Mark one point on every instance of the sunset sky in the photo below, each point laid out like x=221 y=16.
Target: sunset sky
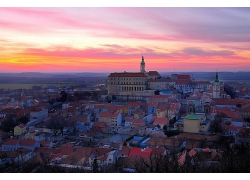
x=107 y=39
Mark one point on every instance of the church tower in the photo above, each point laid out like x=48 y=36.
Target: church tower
x=216 y=87
x=142 y=67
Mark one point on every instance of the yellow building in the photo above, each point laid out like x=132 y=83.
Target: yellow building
x=196 y=123
x=127 y=82
x=111 y=119
x=20 y=129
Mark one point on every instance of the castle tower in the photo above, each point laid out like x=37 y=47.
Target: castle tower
x=142 y=67
x=216 y=87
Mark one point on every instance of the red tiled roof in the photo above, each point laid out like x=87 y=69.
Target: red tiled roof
x=85 y=151
x=137 y=121
x=45 y=143
x=181 y=81
x=47 y=150
x=114 y=115
x=134 y=151
x=22 y=142
x=160 y=80
x=192 y=152
x=229 y=101
x=234 y=128
x=125 y=150
x=35 y=159
x=102 y=151
x=153 y=73
x=158 y=151
x=127 y=74
x=228 y=112
x=182 y=159
x=174 y=106
x=129 y=120
x=154 y=104
x=105 y=114
x=160 y=120
x=182 y=76
x=66 y=150
x=134 y=103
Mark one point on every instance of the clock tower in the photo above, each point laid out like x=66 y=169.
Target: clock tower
x=142 y=67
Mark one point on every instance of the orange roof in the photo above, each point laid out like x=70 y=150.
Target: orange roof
x=160 y=120
x=127 y=74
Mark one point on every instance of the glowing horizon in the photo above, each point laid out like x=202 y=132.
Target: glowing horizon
x=114 y=39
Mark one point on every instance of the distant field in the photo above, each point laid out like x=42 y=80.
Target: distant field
x=29 y=86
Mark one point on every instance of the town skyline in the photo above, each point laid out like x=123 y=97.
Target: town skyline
x=74 y=40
